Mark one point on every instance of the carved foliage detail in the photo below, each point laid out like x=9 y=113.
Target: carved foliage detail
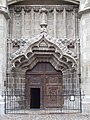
x=34 y=79
x=16 y=43
x=18 y=8
x=27 y=8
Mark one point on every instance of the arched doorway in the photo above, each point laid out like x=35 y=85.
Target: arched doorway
x=44 y=77
x=44 y=86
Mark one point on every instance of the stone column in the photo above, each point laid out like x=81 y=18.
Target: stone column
x=85 y=53
x=65 y=24
x=55 y=22
x=23 y=24
x=3 y=49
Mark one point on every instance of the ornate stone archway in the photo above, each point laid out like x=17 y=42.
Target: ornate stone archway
x=44 y=48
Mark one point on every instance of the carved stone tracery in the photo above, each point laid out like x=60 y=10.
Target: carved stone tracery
x=30 y=21
x=43 y=41
x=49 y=8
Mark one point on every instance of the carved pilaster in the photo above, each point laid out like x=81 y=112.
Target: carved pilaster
x=13 y=30
x=65 y=24
x=74 y=24
x=59 y=22
x=27 y=25
x=8 y=52
x=10 y=24
x=22 y=28
x=54 y=22
x=35 y=19
x=32 y=22
x=18 y=25
x=77 y=23
x=43 y=22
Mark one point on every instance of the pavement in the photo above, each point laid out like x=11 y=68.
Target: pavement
x=45 y=116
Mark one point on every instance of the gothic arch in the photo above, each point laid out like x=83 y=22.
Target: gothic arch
x=44 y=50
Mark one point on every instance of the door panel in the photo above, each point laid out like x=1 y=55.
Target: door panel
x=44 y=76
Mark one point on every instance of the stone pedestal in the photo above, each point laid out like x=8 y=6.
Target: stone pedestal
x=85 y=54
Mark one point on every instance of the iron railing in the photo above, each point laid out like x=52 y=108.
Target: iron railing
x=66 y=101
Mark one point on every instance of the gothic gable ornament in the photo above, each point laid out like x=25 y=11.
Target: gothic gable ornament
x=44 y=48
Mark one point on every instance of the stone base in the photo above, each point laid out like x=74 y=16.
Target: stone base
x=86 y=104
x=2 y=105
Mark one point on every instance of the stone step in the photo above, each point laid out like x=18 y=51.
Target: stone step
x=46 y=116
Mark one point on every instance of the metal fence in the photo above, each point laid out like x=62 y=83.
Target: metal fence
x=66 y=101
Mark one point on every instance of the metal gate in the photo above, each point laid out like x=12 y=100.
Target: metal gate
x=69 y=100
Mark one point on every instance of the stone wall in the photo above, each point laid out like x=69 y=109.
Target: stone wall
x=62 y=21
x=3 y=48
x=85 y=53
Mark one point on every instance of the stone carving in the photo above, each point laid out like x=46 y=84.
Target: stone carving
x=43 y=29
x=50 y=101
x=16 y=43
x=52 y=90
x=36 y=9
x=71 y=44
x=50 y=10
x=24 y=50
x=57 y=22
x=26 y=45
x=27 y=8
x=59 y=9
x=43 y=44
x=69 y=9
x=54 y=97
x=18 y=8
x=53 y=100
x=43 y=22
x=28 y=42
x=53 y=79
x=34 y=80
x=19 y=42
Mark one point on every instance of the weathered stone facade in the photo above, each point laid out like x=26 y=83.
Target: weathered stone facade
x=3 y=48
x=85 y=49
x=45 y=32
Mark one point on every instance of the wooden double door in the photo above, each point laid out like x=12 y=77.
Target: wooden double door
x=44 y=87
